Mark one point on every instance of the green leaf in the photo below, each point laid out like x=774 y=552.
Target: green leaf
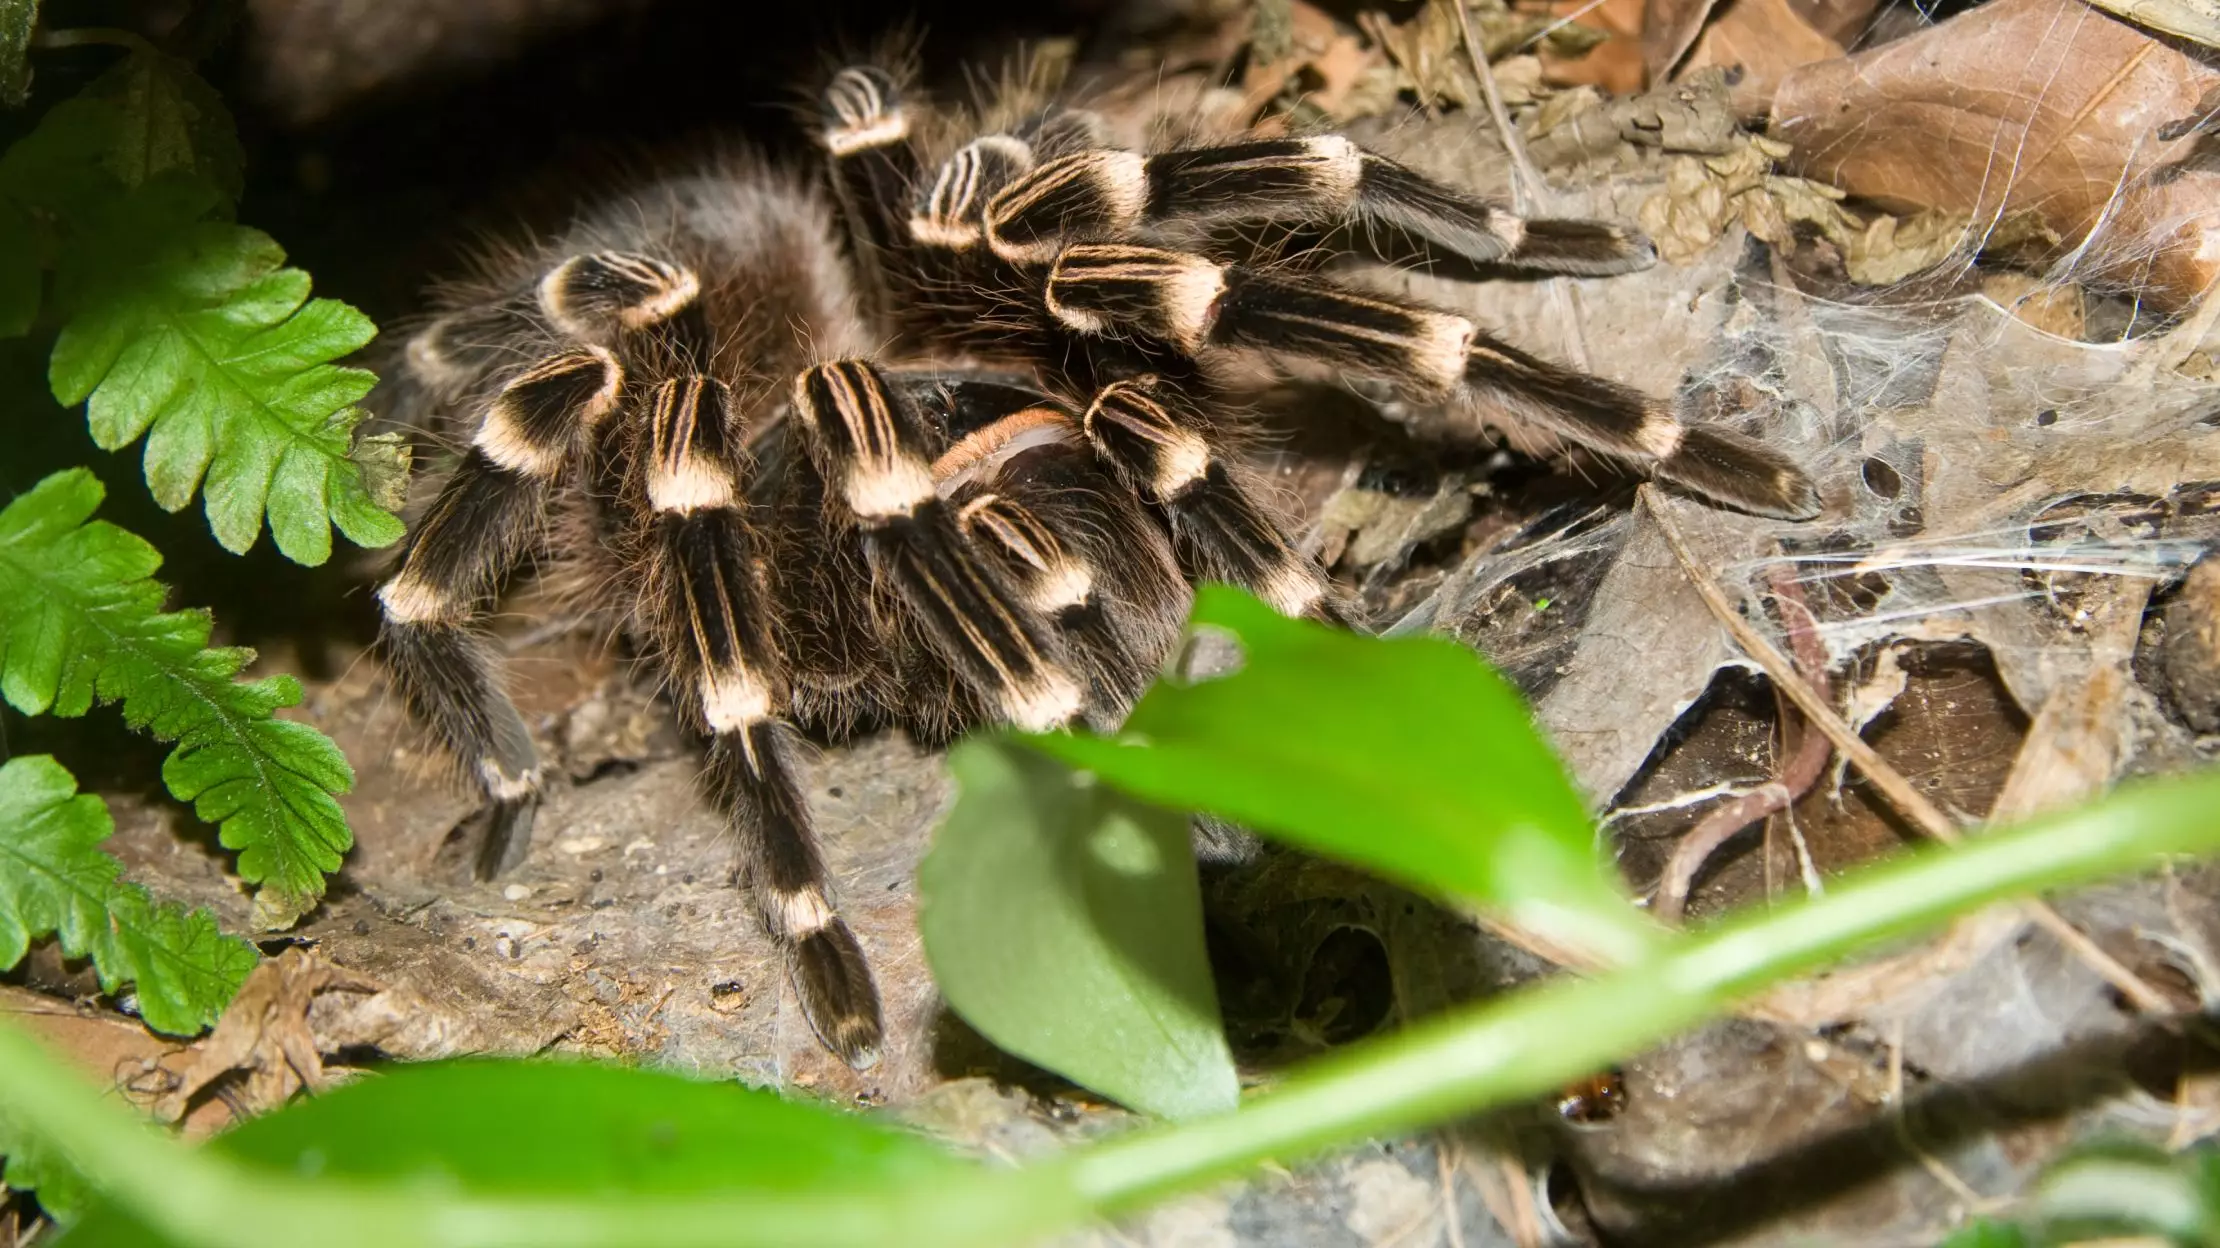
x=1986 y=1234
x=81 y=622
x=1410 y=757
x=166 y=119
x=1063 y=920
x=17 y=18
x=571 y=1132
x=1466 y=1059
x=56 y=881
x=34 y=1167
x=215 y=353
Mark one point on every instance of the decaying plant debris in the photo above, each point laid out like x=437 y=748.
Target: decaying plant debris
x=1976 y=322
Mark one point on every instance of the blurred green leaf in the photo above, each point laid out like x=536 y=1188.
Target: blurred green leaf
x=1410 y=757
x=166 y=119
x=571 y=1132
x=1986 y=1234
x=1063 y=921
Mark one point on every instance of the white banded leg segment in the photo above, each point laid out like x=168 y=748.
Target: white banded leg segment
x=1421 y=350
x=862 y=108
x=1107 y=193
x=753 y=777
x=869 y=441
x=1133 y=425
x=1111 y=288
x=1622 y=421
x=953 y=214
x=693 y=447
x=592 y=296
x=1271 y=179
x=716 y=623
x=488 y=514
x=1401 y=201
x=535 y=424
x=451 y=683
x=484 y=519
x=1083 y=195
x=1218 y=531
x=1052 y=577
x=872 y=440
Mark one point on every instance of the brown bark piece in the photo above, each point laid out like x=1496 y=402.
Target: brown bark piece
x=2045 y=106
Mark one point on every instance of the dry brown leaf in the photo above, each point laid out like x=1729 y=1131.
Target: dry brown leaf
x=1764 y=39
x=2191 y=19
x=1669 y=30
x=2053 y=307
x=1429 y=49
x=1615 y=67
x=2043 y=106
x=1298 y=50
x=1691 y=116
x=265 y=1034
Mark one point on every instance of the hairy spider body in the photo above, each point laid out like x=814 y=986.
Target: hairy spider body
x=947 y=447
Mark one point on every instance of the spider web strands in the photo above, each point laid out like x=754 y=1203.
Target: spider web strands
x=2155 y=559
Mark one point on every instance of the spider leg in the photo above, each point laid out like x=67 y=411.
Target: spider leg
x=492 y=512
x=712 y=623
x=1109 y=193
x=487 y=517
x=870 y=442
x=1039 y=508
x=1157 y=442
x=866 y=131
x=1197 y=307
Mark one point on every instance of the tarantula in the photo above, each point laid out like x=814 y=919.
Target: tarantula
x=942 y=441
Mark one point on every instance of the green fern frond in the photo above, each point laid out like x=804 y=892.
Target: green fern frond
x=81 y=622
x=58 y=882
x=181 y=327
x=215 y=353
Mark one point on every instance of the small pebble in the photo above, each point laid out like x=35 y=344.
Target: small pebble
x=516 y=892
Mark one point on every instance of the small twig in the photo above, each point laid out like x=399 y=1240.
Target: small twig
x=1798 y=774
x=1973 y=1200
x=1879 y=772
x=1444 y=1152
x=1530 y=195
x=1528 y=192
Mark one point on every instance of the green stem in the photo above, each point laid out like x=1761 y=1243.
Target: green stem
x=1488 y=1055
x=1522 y=1046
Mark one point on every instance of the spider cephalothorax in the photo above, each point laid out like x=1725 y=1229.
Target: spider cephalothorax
x=944 y=442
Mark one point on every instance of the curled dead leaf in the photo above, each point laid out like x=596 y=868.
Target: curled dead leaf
x=1761 y=41
x=2044 y=107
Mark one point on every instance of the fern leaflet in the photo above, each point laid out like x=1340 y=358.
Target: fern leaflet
x=81 y=622
x=57 y=882
x=214 y=351
x=182 y=327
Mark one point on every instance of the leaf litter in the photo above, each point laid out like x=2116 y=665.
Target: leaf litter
x=2019 y=465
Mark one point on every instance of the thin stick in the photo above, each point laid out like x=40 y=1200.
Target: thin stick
x=1530 y=195
x=1879 y=772
x=1528 y=192
x=1797 y=775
